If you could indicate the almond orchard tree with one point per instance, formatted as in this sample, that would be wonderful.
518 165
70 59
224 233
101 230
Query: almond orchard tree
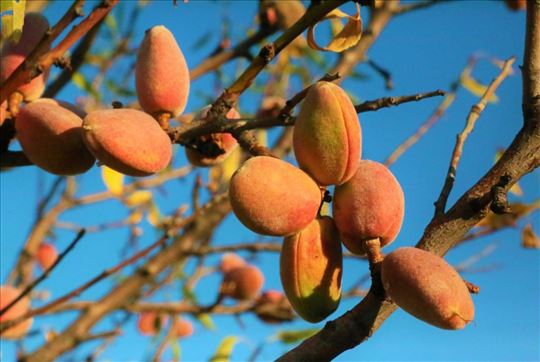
204 180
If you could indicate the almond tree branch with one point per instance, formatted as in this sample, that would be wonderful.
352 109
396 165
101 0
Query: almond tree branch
473 116
445 231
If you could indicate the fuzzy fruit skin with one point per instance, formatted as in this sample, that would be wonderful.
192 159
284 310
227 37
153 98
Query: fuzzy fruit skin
150 323
327 135
272 299
230 261
161 73
46 255
242 283
426 286
69 106
7 294
183 328
272 197
51 137
370 205
128 141
311 268
12 55
225 141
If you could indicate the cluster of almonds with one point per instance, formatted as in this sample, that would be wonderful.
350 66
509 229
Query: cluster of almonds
61 138
273 197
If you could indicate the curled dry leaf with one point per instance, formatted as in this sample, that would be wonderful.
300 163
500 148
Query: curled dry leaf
348 37
529 239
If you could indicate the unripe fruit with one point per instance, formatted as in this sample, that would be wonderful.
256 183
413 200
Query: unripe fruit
225 141
46 255
182 328
242 283
327 135
311 268
150 323
128 141
272 197
230 261
161 73
8 294
370 205
51 137
426 286
35 25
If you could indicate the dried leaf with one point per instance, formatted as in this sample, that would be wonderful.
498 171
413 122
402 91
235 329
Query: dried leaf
224 350
346 38
517 211
138 198
476 88
529 239
114 180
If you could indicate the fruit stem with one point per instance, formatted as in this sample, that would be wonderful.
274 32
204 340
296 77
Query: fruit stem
375 257
163 120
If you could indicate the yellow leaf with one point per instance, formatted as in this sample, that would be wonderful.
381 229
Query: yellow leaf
325 209
262 137
476 88
6 5
135 217
347 37
224 350
7 26
138 198
18 18
154 216
529 239
114 180
231 164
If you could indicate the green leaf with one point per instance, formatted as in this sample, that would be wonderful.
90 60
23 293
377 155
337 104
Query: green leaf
206 321
112 25
224 350
289 337
6 5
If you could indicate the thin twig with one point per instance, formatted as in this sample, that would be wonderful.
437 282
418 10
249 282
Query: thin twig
473 116
385 102
10 323
45 274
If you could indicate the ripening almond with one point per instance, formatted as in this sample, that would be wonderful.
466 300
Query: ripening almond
161 73
426 286
150 323
127 140
272 197
327 136
242 283
182 328
370 205
46 255
51 136
12 55
310 269
7 294
230 261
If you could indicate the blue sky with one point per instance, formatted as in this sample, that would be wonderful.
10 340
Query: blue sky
424 50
